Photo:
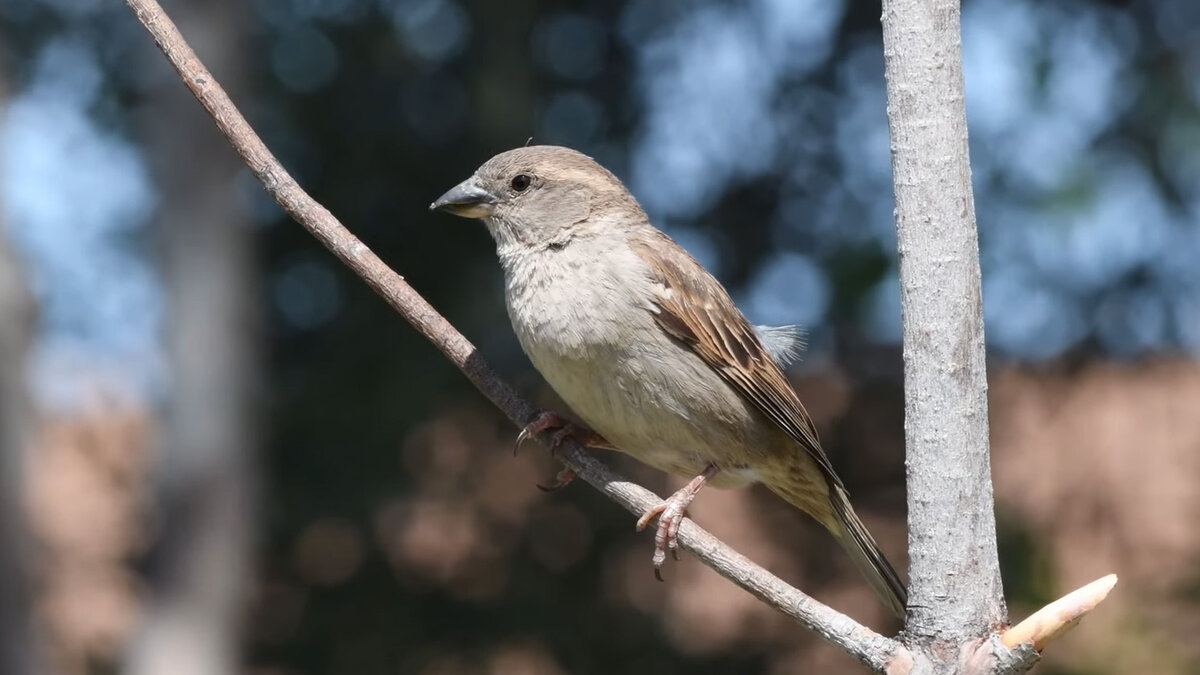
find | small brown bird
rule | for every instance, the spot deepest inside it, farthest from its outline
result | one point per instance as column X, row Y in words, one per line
column 648, row 348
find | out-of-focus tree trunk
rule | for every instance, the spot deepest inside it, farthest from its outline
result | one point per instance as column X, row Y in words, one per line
column 16, row 625
column 18, row 653
column 205, row 491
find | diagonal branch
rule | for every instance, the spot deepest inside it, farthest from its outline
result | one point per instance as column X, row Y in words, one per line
column 872, row 649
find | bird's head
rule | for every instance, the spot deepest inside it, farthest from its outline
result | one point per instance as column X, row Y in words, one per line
column 541, row 195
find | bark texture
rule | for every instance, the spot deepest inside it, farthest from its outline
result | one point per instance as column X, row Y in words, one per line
column 954, row 573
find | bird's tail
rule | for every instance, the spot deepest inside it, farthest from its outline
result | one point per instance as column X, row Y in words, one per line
column 836, row 514
column 866, row 554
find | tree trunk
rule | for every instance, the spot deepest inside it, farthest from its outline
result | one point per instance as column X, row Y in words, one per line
column 954, row 574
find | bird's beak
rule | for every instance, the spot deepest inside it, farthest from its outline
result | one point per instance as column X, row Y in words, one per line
column 466, row 199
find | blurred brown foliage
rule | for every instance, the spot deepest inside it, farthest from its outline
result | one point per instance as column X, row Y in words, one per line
column 1101, row 468
column 86, row 501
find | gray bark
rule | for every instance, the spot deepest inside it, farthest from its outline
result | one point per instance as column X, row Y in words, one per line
column 206, row 478
column 955, row 589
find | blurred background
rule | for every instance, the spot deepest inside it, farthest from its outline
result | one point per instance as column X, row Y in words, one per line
column 222, row 453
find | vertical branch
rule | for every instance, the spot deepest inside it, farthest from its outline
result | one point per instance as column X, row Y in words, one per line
column 955, row 588
column 206, row 477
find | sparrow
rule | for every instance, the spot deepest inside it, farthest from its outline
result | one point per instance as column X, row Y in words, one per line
column 649, row 350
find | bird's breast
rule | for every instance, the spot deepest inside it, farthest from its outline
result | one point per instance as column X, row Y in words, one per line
column 585, row 321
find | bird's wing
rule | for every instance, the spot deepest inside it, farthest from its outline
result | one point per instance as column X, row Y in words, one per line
column 694, row 308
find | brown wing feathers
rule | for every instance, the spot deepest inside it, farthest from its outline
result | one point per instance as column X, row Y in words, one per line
column 696, row 310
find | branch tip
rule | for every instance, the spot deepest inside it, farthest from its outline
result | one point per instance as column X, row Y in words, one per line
column 1059, row 616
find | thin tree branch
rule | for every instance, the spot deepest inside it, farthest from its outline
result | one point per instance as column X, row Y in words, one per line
column 872, row 649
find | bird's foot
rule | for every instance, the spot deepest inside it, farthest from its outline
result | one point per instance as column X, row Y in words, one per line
column 564, row 429
column 670, row 515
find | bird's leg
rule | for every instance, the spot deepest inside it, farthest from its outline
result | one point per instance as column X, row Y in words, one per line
column 670, row 514
column 547, row 420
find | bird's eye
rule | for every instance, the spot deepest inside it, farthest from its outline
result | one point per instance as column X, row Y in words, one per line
column 521, row 181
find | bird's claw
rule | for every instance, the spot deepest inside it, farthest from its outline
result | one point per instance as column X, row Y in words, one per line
column 546, row 420
column 564, row 429
column 543, row 421
column 670, row 515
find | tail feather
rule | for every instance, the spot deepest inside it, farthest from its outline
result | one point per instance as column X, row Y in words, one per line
column 866, row 554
